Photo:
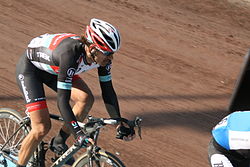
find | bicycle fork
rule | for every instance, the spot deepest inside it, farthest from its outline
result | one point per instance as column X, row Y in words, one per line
column 92, row 156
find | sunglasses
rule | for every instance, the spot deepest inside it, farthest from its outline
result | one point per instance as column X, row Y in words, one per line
column 106, row 53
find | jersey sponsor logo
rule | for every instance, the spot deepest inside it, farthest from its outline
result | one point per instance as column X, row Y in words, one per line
column 71, row 72
column 74, row 124
column 25, row 92
column 239, row 139
column 40, row 99
column 108, row 67
column 43, row 56
column 222, row 123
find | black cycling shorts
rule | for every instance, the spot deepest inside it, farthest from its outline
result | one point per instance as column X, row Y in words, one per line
column 30, row 80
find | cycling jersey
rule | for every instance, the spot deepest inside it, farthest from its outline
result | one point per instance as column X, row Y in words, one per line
column 63, row 55
column 233, row 132
column 56, row 60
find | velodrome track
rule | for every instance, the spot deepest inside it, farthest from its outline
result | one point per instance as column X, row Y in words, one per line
column 176, row 68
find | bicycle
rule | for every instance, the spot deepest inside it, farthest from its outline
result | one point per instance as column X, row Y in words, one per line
column 14, row 127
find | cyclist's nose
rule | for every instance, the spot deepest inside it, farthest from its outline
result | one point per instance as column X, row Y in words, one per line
column 110, row 57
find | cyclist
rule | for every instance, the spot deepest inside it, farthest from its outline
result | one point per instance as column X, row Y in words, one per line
column 230, row 143
column 56, row 60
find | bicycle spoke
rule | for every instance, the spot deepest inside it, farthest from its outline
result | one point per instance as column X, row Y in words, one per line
column 16, row 136
column 19, row 142
column 2, row 133
column 101, row 163
column 7, row 129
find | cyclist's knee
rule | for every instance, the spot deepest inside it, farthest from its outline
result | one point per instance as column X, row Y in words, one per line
column 39, row 131
column 83, row 106
column 84, row 102
column 87, row 99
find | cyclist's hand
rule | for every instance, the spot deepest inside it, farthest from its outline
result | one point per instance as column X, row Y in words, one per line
column 84, row 141
column 125, row 133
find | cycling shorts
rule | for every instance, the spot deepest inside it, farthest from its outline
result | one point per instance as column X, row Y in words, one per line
column 30, row 80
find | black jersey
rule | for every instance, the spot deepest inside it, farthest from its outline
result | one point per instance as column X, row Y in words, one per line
column 63, row 55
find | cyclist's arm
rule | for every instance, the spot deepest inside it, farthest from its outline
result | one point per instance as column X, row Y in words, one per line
column 108, row 92
column 67, row 65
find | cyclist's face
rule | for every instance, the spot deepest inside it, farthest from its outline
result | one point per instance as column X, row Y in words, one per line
column 100, row 58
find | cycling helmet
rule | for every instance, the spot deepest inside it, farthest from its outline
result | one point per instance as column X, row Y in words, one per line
column 103, row 36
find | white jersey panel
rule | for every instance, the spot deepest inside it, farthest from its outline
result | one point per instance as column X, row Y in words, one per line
column 44, row 67
column 239, row 139
column 82, row 67
column 42, row 41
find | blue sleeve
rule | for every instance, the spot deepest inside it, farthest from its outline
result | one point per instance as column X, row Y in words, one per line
column 220, row 133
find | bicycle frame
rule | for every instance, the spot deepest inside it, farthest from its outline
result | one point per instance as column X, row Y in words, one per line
column 93, row 129
column 63, row 158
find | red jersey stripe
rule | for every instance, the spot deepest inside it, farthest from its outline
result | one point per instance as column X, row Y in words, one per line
column 57, row 39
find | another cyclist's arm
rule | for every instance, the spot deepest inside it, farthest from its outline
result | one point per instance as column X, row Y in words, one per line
column 108, row 92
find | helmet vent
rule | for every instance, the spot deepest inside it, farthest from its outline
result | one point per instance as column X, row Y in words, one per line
column 108, row 39
column 98, row 42
column 117, row 39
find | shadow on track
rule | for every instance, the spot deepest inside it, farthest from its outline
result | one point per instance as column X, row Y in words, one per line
column 201, row 120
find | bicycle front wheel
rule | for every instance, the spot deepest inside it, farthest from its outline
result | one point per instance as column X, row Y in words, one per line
column 10, row 136
column 100, row 159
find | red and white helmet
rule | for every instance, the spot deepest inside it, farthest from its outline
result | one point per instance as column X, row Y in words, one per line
column 103, row 36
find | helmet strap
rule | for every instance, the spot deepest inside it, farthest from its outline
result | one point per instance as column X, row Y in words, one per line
column 92, row 53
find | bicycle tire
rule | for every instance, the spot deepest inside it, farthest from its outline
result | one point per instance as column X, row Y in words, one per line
column 106, row 158
column 9, row 122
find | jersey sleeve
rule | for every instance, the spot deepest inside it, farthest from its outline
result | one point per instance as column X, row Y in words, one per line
column 67, row 67
column 67, row 70
column 108, row 92
column 104, row 73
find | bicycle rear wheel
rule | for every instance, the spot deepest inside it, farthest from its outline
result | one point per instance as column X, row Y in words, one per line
column 9, row 124
column 101, row 159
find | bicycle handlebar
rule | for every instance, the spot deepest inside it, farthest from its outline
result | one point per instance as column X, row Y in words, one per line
column 113, row 121
column 106, row 121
